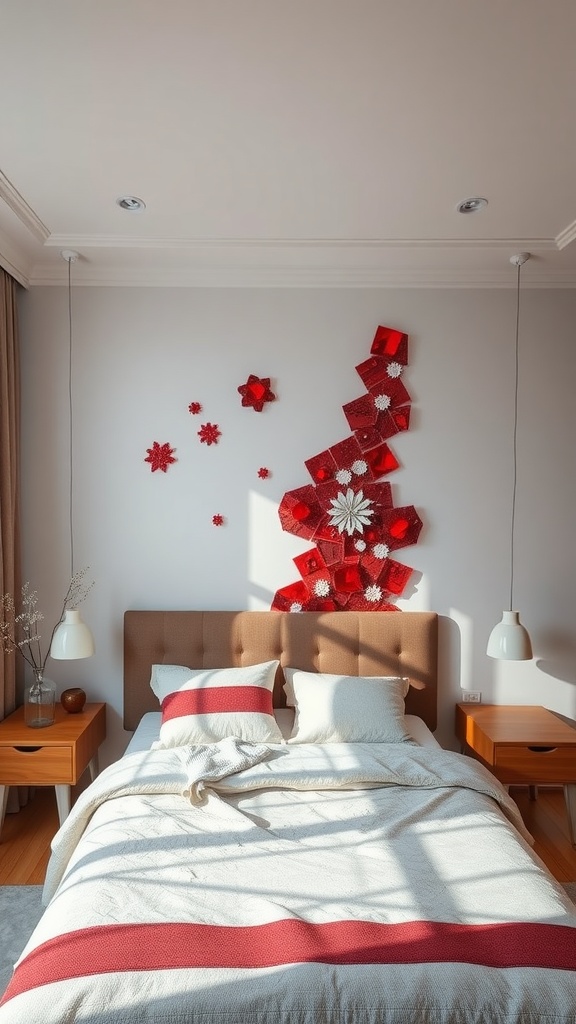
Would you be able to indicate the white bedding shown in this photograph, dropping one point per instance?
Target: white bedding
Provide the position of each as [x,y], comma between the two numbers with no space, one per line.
[342,884]
[149,729]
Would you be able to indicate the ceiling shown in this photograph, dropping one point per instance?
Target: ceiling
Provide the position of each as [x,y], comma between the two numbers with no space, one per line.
[288,142]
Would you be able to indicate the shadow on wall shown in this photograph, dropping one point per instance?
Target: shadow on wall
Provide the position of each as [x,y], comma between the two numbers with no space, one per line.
[449,679]
[560,654]
[560,663]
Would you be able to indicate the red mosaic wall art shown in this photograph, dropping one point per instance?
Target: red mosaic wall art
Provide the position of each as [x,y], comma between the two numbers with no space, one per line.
[347,512]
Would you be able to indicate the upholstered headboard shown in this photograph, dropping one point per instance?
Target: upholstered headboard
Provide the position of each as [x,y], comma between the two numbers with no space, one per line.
[347,643]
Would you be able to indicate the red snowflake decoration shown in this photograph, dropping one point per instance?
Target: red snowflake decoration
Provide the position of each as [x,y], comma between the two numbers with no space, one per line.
[255,392]
[160,456]
[194,408]
[263,473]
[218,520]
[209,433]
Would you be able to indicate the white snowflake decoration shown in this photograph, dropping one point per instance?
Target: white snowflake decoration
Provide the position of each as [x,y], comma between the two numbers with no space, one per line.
[373,594]
[360,544]
[295,606]
[380,551]
[394,369]
[343,476]
[360,467]
[382,402]
[351,512]
[321,588]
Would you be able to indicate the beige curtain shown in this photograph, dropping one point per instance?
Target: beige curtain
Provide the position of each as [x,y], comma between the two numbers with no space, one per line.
[11,674]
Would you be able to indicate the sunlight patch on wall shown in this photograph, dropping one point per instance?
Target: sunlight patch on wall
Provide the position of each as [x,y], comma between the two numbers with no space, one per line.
[270,552]
[518,682]
[466,628]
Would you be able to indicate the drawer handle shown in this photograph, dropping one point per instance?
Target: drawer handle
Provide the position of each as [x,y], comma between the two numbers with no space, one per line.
[27,750]
[542,750]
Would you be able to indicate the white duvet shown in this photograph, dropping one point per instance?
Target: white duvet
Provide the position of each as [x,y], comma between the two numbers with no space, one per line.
[344,883]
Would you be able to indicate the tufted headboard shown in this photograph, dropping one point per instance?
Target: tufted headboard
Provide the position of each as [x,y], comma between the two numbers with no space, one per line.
[347,643]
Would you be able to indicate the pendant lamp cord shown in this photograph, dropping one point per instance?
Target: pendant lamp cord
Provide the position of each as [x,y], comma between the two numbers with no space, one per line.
[514,447]
[69,261]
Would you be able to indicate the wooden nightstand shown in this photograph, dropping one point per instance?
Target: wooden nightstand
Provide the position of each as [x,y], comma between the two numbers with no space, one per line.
[522,745]
[56,755]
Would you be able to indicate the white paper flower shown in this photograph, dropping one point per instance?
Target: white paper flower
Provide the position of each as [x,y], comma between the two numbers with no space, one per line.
[373,594]
[382,402]
[394,369]
[351,512]
[380,551]
[360,467]
[343,476]
[321,588]
[360,545]
[295,606]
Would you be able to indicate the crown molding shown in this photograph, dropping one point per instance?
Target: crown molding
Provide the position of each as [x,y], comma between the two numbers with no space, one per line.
[301,263]
[176,244]
[20,207]
[265,276]
[13,261]
[286,263]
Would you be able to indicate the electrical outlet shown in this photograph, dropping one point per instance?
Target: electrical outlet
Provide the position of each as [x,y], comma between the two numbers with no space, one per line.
[471,697]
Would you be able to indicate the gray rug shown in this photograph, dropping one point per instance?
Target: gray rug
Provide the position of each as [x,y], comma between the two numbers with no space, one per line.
[21,909]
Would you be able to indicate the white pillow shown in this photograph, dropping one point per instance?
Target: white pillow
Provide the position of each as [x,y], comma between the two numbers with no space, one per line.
[346,709]
[207,705]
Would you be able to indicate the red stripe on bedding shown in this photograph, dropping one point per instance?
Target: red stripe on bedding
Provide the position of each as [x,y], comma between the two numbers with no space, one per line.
[210,700]
[111,949]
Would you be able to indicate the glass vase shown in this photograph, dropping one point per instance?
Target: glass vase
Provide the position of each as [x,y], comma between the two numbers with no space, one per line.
[40,701]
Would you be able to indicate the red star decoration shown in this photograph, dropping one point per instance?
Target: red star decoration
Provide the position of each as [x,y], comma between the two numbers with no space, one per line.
[255,392]
[194,408]
[263,473]
[218,520]
[209,433]
[160,456]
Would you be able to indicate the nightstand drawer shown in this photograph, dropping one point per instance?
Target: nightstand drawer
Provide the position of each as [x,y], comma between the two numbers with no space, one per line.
[535,763]
[35,765]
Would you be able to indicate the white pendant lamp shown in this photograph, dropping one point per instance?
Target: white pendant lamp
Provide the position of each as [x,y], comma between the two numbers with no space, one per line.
[509,640]
[72,638]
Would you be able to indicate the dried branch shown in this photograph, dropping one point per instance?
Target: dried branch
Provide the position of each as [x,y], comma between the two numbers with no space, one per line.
[19,632]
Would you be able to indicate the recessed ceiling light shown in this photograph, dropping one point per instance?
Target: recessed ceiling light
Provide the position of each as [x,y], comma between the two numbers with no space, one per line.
[131,203]
[472,205]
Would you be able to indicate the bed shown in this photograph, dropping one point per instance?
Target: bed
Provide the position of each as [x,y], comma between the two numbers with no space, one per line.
[285,841]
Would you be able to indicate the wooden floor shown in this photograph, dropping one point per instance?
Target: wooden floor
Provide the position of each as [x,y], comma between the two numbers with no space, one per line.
[26,836]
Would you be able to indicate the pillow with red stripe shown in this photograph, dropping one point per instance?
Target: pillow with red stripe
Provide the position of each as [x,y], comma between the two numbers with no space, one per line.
[207,705]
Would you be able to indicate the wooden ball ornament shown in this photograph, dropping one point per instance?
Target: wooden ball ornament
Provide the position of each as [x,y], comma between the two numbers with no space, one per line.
[73,700]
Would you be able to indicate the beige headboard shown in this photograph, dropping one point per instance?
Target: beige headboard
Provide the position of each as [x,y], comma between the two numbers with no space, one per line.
[348,643]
